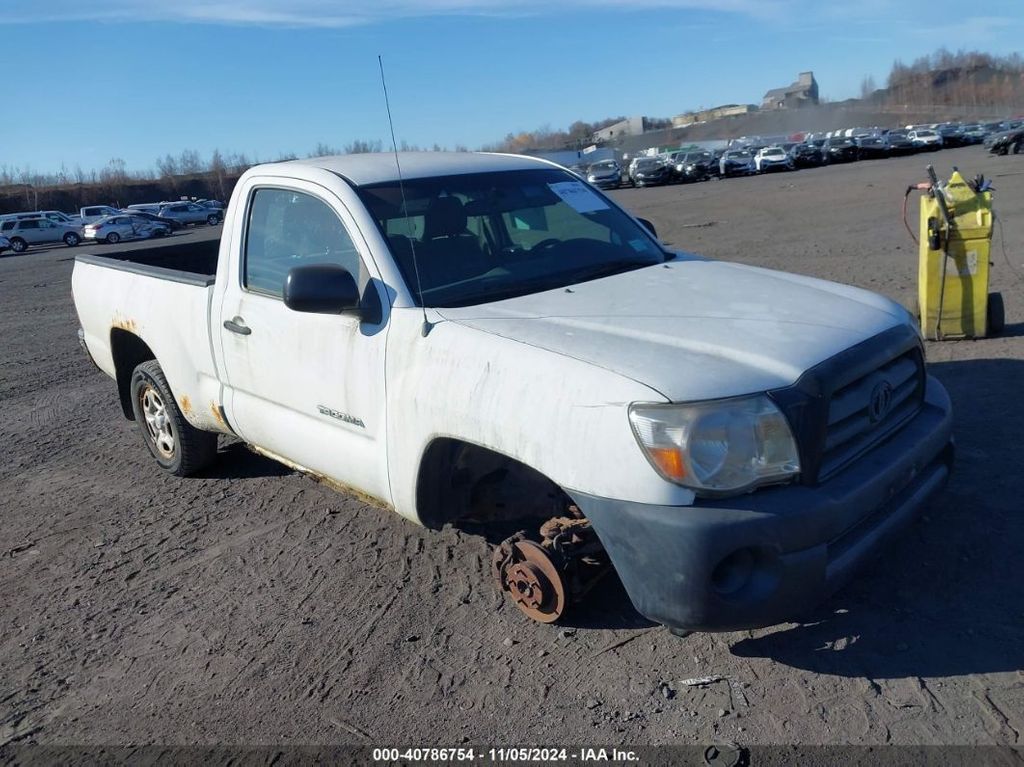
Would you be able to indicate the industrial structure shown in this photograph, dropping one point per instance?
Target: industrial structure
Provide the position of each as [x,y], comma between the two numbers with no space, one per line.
[715,113]
[802,93]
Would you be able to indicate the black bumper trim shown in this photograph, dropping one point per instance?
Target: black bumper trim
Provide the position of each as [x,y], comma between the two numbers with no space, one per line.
[799,543]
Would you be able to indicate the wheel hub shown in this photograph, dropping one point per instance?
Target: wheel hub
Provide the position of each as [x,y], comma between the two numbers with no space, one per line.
[526,572]
[158,422]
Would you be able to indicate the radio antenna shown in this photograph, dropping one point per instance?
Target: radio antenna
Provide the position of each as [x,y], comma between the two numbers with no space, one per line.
[427,326]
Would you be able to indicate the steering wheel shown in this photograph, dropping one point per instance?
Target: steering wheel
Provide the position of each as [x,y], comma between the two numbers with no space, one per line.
[550,242]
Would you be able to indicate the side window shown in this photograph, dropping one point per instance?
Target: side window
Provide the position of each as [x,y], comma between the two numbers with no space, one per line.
[30,224]
[287,229]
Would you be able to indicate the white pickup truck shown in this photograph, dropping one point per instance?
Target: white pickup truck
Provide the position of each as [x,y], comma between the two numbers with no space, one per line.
[492,338]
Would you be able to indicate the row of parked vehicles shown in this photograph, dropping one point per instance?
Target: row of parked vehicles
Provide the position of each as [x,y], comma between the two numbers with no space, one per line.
[746,157]
[104,223]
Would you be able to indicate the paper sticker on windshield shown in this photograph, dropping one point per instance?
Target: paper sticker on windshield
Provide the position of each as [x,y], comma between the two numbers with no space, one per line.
[579,196]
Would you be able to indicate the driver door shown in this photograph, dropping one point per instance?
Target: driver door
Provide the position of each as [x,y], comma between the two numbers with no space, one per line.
[307,387]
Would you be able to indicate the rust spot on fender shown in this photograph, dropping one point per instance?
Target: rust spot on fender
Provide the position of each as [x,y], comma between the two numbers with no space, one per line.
[186,405]
[215,410]
[123,323]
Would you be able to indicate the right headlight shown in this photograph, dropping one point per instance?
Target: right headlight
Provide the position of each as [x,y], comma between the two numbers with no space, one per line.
[719,447]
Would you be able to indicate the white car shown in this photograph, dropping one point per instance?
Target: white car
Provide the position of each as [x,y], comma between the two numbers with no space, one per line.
[113,229]
[54,215]
[93,213]
[494,335]
[925,138]
[772,158]
[38,231]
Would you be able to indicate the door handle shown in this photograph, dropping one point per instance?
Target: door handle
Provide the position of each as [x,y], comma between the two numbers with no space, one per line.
[237,325]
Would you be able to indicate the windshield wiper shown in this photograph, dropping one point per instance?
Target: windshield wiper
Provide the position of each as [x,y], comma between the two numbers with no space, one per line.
[610,268]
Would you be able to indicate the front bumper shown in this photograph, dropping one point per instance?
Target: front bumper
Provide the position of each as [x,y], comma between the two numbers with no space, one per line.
[774,554]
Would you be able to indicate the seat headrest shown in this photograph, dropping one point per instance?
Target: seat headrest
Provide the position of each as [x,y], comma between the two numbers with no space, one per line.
[445,217]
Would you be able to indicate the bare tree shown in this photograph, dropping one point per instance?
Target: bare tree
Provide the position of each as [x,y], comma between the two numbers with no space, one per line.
[324,150]
[360,146]
[219,170]
[190,163]
[167,166]
[867,87]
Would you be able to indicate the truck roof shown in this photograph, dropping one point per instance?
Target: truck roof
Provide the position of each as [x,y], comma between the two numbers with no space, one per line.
[374,168]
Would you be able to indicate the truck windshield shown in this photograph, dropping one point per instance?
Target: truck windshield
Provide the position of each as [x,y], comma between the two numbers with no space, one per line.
[487,236]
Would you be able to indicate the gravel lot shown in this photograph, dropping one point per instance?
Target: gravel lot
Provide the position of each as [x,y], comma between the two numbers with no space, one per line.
[254,605]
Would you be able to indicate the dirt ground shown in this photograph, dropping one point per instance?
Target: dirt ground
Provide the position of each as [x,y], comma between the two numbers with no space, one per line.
[253,605]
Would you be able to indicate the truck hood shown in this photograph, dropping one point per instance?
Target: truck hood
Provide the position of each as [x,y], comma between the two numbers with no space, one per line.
[693,329]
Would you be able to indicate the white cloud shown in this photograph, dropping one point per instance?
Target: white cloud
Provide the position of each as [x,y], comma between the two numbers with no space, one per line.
[338,13]
[971,30]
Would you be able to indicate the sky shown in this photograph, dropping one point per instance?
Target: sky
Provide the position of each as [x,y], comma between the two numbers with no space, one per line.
[137,79]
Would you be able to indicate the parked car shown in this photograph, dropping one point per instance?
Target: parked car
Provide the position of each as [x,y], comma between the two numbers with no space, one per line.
[190,213]
[145,207]
[5,244]
[54,215]
[1007,142]
[113,229]
[771,159]
[605,174]
[733,442]
[172,223]
[839,149]
[900,143]
[696,166]
[736,162]
[96,212]
[952,135]
[973,133]
[925,139]
[873,146]
[649,171]
[805,155]
[215,204]
[26,232]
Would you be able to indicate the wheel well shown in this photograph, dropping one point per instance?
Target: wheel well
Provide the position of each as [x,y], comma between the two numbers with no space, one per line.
[460,481]
[129,351]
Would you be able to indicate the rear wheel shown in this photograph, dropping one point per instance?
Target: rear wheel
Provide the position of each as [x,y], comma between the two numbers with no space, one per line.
[113,238]
[18,245]
[177,446]
[212,220]
[995,314]
[71,239]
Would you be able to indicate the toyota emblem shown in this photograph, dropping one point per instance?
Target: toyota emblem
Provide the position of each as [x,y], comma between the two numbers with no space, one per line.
[881,401]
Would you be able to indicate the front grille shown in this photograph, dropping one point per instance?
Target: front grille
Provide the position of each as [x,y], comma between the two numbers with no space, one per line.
[829,408]
[865,411]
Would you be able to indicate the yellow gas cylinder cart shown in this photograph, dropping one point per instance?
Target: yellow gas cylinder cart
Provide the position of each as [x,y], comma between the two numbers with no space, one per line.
[955,238]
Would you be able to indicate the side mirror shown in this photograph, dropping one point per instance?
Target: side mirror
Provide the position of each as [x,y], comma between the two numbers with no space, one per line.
[649,227]
[321,289]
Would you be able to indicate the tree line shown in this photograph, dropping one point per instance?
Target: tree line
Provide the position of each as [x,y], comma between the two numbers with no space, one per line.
[963,78]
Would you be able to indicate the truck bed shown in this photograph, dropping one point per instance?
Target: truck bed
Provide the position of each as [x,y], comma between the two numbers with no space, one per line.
[154,298]
[193,263]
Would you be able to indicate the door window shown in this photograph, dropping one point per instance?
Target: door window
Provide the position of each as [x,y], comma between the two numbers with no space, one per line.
[287,229]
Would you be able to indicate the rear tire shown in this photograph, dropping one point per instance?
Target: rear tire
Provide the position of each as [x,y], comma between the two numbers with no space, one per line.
[995,315]
[178,447]
[212,220]
[113,238]
[71,239]
[18,245]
